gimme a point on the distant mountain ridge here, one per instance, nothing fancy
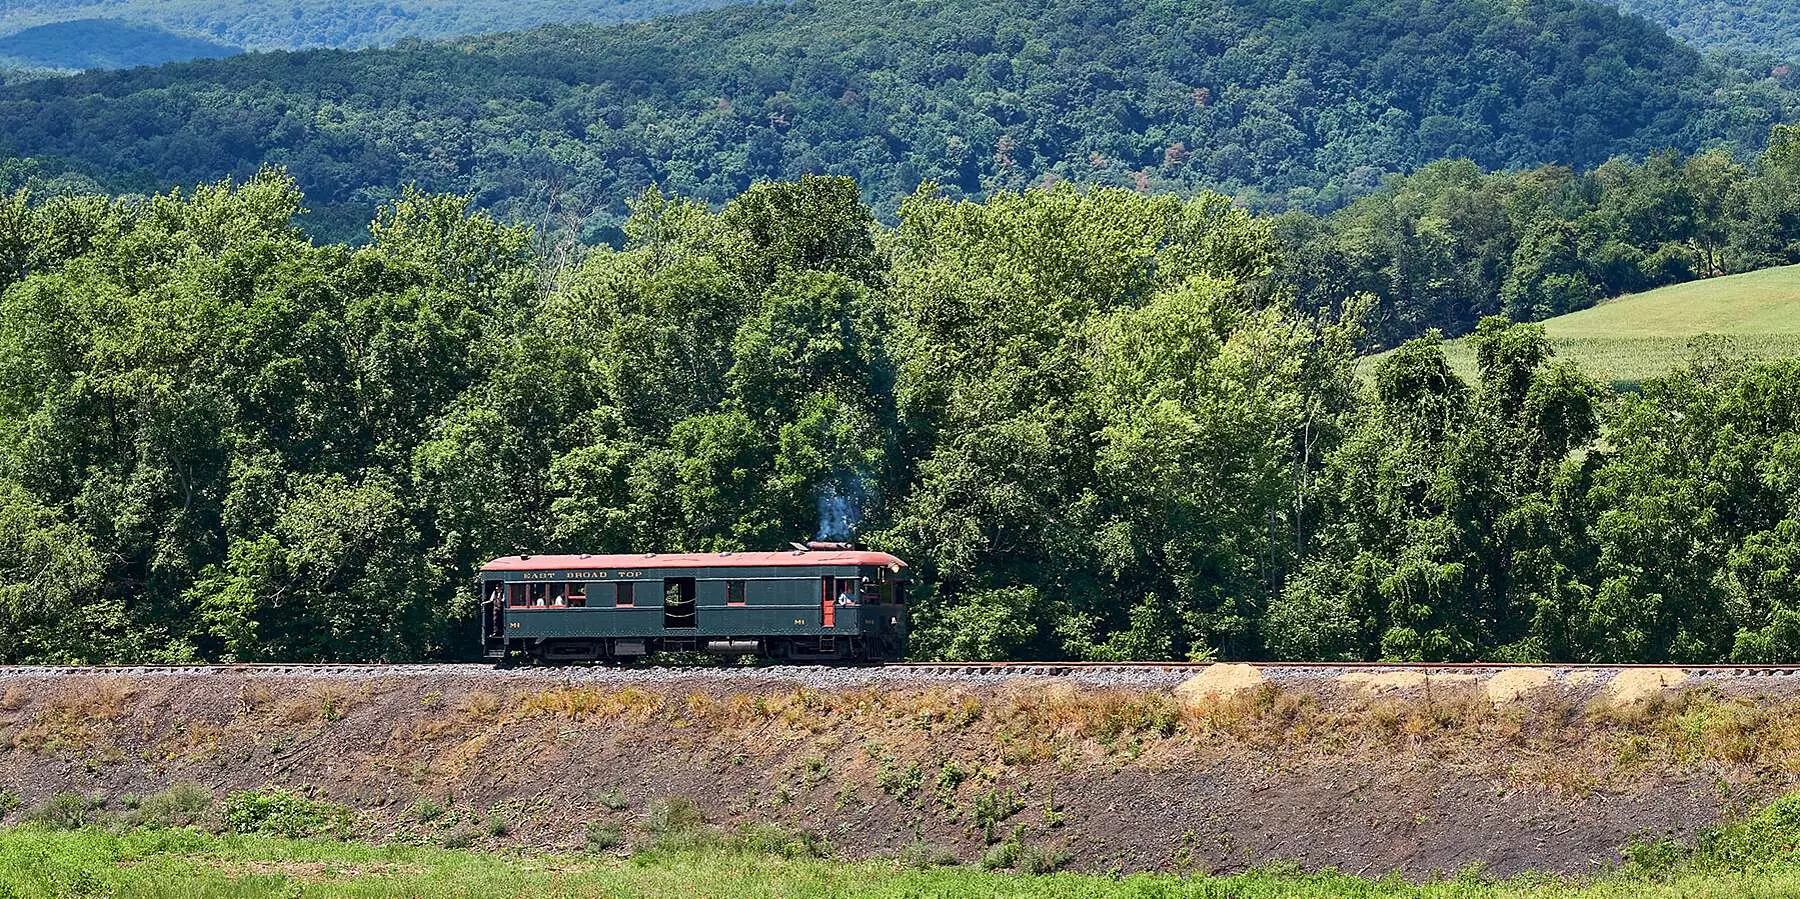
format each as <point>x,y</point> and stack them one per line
<point>104,44</point>
<point>1285,104</point>
<point>1761,26</point>
<point>297,24</point>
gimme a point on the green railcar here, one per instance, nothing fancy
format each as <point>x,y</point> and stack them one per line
<point>819,603</point>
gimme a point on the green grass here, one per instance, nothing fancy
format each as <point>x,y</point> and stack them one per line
<point>37,862</point>
<point>1636,337</point>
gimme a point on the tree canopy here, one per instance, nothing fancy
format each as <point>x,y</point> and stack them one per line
<point>1097,423</point>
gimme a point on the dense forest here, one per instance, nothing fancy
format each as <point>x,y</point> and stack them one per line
<point>1092,419</point>
<point>1280,105</point>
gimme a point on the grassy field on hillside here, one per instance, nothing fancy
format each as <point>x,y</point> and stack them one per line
<point>1639,336</point>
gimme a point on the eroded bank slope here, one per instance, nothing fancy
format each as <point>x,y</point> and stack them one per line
<point>1386,771</point>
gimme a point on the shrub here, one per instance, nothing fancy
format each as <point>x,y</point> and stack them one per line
<point>65,811</point>
<point>425,810</point>
<point>992,808</point>
<point>1013,853</point>
<point>1000,855</point>
<point>1769,837</point>
<point>673,815</point>
<point>772,839</point>
<point>1037,860</point>
<point>280,813</point>
<point>950,776</point>
<point>920,854</point>
<point>497,826</point>
<point>181,805</point>
<point>901,782</point>
<point>602,836</point>
<point>459,838</point>
<point>613,799</point>
<point>8,801</point>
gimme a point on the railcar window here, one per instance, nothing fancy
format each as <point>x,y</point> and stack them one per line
<point>539,597</point>
<point>515,596</point>
<point>734,593</point>
<point>577,595</point>
<point>623,598</point>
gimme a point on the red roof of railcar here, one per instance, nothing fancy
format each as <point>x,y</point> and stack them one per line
<point>791,558</point>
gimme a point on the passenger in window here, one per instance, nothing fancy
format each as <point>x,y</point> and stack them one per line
<point>845,597</point>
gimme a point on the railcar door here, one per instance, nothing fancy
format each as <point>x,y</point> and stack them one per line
<point>493,618</point>
<point>678,603</point>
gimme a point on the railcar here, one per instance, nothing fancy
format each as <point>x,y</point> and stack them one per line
<point>816,602</point>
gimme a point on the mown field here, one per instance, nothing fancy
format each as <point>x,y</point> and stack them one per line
<point>39,862</point>
<point>1643,335</point>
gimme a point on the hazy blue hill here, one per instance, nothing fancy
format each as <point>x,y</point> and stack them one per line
<point>349,24</point>
<point>1285,104</point>
<point>1768,26</point>
<point>104,44</point>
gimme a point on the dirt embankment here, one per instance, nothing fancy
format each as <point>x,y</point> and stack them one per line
<point>1392,772</point>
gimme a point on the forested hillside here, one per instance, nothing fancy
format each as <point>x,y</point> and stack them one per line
<point>1079,414</point>
<point>1761,26</point>
<point>347,24</point>
<point>1285,105</point>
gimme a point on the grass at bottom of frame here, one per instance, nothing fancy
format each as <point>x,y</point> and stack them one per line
<point>1758,856</point>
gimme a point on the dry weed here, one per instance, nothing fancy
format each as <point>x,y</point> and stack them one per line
<point>589,703</point>
<point>195,738</point>
<point>253,698</point>
<point>74,719</point>
<point>481,704</point>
